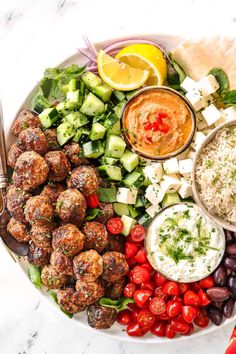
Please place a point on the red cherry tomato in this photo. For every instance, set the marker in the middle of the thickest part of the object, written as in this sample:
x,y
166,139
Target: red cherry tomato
x,y
183,287
115,226
148,266
169,332
192,299
124,317
195,286
130,249
159,293
131,261
148,285
204,299
142,296
92,200
129,290
207,282
190,330
171,288
158,329
202,320
157,306
159,279
134,314
173,308
140,275
138,233
189,313
179,326
178,298
133,330
145,319
141,256
164,317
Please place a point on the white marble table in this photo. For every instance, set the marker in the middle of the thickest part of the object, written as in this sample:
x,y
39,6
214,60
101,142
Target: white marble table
x,y
35,34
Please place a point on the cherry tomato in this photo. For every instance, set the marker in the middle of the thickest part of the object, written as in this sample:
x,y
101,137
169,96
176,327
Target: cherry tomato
x,y
148,285
115,226
190,330
138,233
92,200
169,332
141,256
207,282
189,313
158,329
173,308
157,306
159,293
204,299
195,286
202,320
183,287
130,249
190,298
179,326
178,298
133,330
148,266
129,290
141,297
135,312
145,318
131,261
124,317
164,317
159,279
140,275
171,288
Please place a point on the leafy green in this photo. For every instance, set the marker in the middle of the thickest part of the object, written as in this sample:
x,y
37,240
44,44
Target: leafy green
x,y
222,79
54,297
35,275
119,304
92,213
229,97
175,74
107,194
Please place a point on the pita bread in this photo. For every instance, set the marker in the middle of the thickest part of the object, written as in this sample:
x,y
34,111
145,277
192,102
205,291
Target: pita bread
x,y
198,56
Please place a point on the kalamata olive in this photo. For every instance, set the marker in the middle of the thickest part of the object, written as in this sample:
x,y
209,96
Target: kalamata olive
x,y
218,304
228,307
220,276
230,263
217,293
231,249
231,283
229,235
215,315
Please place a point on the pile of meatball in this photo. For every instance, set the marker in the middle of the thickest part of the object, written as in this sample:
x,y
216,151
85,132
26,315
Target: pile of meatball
x,y
47,204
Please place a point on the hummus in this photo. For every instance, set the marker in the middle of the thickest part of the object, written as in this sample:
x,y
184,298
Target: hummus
x,y
157,122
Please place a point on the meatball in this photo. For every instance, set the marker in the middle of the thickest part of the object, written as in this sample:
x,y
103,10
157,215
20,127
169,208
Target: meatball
x,y
116,243
16,199
33,139
59,166
30,171
38,211
72,151
115,290
52,192
26,119
84,179
63,264
88,266
71,206
53,279
13,155
42,236
96,236
38,256
68,239
101,317
106,212
51,136
89,293
18,230
68,301
114,266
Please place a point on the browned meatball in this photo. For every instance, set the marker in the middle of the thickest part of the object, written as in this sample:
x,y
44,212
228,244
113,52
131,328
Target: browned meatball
x,y
38,211
68,239
115,290
16,199
52,279
52,192
72,151
96,236
88,266
51,136
71,206
33,139
59,166
42,236
106,212
63,264
38,256
30,171
18,230
68,301
13,155
114,266
116,243
26,119
84,179
101,317
89,293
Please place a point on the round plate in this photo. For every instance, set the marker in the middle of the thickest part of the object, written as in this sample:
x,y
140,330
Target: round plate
x,y
117,331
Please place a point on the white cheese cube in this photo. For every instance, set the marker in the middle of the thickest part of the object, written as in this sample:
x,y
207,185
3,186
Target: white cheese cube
x,y
196,99
211,114
153,210
198,140
189,84
154,194
171,166
230,112
170,184
185,189
208,85
185,167
191,154
153,172
126,195
201,123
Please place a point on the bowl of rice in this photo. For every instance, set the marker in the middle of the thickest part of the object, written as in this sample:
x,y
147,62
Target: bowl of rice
x,y
214,175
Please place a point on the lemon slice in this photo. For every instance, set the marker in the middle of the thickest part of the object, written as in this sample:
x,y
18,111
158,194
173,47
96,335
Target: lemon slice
x,y
145,57
120,76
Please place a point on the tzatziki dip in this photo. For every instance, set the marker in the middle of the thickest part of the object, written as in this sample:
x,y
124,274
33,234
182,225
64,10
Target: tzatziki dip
x,y
184,244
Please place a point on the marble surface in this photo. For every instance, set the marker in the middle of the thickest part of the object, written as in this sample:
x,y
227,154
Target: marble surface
x,y
35,34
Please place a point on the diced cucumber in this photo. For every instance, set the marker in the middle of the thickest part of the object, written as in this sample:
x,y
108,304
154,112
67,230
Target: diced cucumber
x,y
115,146
112,172
121,209
169,199
112,124
77,119
73,96
130,94
93,149
141,201
115,129
39,103
91,80
133,212
129,160
107,195
118,108
65,132
133,179
108,160
97,131
65,107
65,89
145,220
92,105
119,95
103,91
128,224
81,135
48,117
81,92
72,85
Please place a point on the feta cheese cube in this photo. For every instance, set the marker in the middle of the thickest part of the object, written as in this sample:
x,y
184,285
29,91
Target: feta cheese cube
x,y
126,195
230,113
189,84
198,140
170,184
153,210
208,85
201,123
191,154
171,166
154,194
196,99
153,172
185,167
211,114
185,189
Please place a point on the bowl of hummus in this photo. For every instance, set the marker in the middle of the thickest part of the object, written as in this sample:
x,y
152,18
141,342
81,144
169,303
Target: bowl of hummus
x,y
158,123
